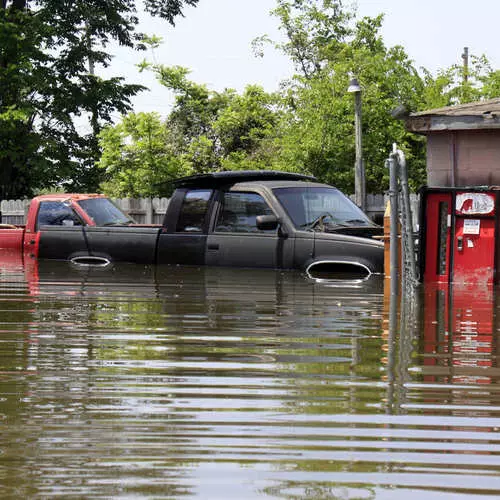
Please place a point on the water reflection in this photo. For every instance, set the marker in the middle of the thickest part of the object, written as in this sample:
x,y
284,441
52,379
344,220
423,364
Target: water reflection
x,y
459,346
223,383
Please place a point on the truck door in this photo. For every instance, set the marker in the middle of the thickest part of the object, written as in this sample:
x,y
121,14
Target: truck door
x,y
474,239
183,239
60,232
236,240
123,244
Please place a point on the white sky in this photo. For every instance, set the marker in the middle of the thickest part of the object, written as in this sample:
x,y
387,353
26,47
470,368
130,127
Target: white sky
x,y
214,41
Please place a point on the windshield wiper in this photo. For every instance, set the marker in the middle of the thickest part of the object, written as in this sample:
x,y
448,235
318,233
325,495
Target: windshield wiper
x,y
119,223
362,221
317,225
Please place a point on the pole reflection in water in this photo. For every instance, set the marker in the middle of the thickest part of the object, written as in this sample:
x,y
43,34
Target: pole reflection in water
x,y
237,383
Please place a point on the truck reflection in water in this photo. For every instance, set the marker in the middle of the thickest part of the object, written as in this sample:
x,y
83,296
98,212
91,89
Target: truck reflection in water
x,y
143,381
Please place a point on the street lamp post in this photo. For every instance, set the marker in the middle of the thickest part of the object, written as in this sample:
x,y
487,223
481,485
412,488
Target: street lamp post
x,y
359,169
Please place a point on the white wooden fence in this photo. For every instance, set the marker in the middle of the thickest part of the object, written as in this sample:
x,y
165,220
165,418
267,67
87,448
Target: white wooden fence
x,y
142,210
152,210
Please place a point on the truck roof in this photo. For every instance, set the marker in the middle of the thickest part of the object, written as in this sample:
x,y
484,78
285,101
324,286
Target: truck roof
x,y
278,183
68,196
214,179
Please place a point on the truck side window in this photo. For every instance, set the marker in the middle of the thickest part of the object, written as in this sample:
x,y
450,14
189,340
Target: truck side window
x,y
193,211
239,213
56,213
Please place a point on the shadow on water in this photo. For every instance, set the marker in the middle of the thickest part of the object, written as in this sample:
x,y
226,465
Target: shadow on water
x,y
175,382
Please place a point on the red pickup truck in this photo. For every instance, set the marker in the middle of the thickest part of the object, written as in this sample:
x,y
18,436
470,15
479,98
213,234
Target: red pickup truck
x,y
48,213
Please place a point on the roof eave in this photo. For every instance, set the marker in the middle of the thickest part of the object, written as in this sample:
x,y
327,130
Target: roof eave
x,y
435,123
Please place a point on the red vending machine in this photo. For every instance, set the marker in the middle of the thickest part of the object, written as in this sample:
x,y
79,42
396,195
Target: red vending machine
x,y
458,235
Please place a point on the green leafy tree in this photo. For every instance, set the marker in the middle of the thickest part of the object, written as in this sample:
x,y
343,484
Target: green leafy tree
x,y
137,157
205,131
327,44
221,130
49,51
460,84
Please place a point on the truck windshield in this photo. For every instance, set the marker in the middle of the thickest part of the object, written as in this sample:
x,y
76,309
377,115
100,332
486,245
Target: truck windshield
x,y
104,212
311,208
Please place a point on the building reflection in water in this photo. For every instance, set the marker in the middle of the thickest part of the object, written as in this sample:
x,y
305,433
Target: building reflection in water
x,y
459,334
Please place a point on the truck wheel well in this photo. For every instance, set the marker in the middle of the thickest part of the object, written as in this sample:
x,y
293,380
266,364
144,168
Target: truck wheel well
x,y
90,261
328,269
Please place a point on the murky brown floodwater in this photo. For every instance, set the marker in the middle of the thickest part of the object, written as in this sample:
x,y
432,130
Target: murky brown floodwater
x,y
216,383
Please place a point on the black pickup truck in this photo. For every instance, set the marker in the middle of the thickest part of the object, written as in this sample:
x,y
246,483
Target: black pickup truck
x,y
264,219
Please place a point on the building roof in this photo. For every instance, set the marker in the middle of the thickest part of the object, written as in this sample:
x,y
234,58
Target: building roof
x,y
471,116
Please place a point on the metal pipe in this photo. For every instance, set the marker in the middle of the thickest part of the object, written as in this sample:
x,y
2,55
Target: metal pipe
x,y
359,177
408,229
359,168
393,240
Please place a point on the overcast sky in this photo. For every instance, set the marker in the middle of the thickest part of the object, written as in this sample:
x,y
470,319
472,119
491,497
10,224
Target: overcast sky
x,y
214,41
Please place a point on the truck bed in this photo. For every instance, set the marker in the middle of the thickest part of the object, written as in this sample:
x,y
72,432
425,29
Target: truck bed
x,y
114,244
11,237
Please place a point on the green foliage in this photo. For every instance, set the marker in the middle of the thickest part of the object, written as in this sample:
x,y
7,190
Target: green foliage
x,y
309,125
316,31
205,131
460,85
328,45
221,130
137,157
48,52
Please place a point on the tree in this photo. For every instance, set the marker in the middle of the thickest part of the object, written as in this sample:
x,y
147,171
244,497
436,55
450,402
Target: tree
x,y
205,131
460,84
221,130
328,44
49,50
138,158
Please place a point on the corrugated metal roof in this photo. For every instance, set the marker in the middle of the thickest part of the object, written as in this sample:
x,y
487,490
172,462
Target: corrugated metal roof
x,y
478,108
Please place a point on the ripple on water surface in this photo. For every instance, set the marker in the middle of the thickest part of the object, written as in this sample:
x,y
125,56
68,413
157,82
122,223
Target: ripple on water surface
x,y
219,383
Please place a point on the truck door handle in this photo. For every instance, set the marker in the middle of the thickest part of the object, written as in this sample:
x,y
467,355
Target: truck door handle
x,y
460,243
213,246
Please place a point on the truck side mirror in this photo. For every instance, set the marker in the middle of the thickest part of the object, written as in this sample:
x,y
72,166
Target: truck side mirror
x,y
267,222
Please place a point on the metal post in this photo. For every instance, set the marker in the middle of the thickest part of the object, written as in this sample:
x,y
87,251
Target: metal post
x,y
359,170
465,57
410,261
394,243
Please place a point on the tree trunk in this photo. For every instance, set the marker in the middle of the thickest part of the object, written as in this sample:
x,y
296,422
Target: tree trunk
x,y
19,4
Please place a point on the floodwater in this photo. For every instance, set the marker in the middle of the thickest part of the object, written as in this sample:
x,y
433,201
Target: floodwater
x,y
137,382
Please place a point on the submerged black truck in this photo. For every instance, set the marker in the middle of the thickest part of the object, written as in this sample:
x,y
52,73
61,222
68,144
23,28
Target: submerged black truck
x,y
265,219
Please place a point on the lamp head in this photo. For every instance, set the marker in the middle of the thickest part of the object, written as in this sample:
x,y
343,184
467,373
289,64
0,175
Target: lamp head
x,y
354,86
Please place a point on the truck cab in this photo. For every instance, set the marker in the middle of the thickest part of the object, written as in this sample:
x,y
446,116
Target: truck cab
x,y
87,229
268,219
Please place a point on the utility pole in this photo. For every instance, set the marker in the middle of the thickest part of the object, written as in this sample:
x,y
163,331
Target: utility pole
x,y
93,117
359,169
465,57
